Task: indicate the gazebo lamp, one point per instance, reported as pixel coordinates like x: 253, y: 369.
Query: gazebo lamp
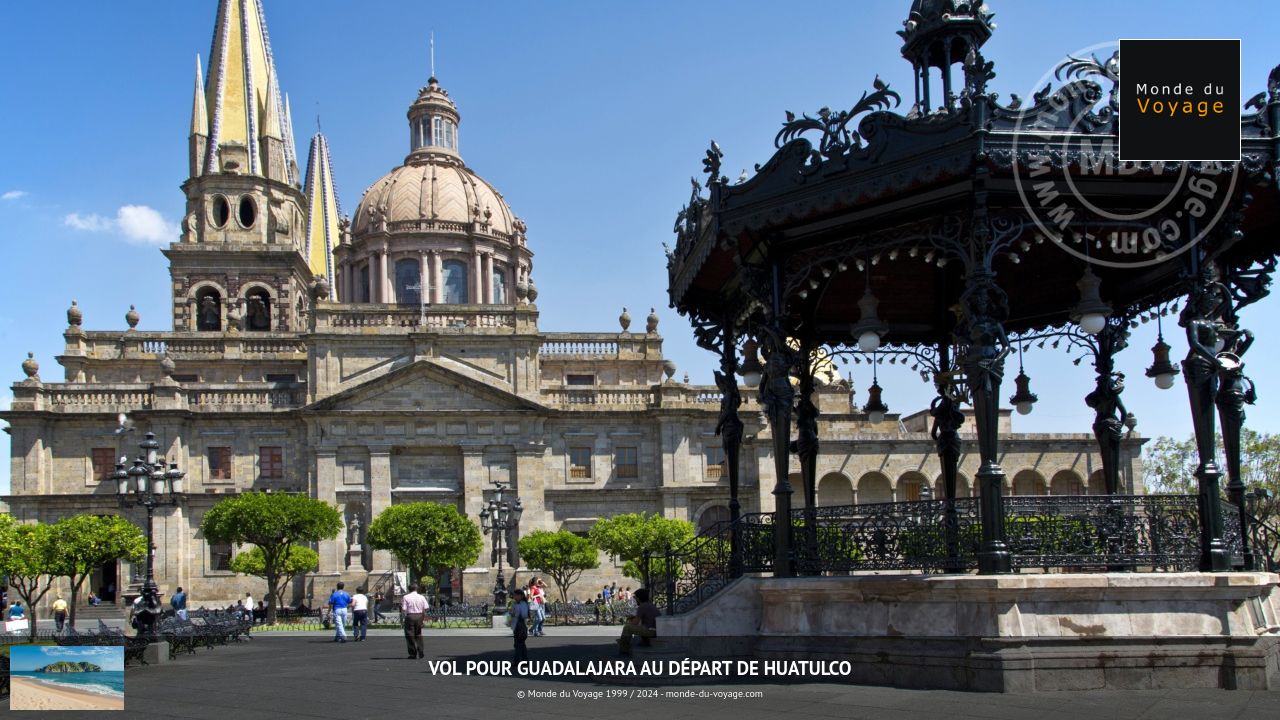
x: 1092, y: 311
x: 1161, y: 370
x: 869, y: 328
x: 751, y: 369
x: 1023, y: 399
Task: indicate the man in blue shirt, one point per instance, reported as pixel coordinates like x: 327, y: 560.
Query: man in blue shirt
x: 339, y: 601
x: 179, y: 603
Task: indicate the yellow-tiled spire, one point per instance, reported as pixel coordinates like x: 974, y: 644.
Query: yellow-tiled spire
x: 322, y: 211
x: 242, y: 97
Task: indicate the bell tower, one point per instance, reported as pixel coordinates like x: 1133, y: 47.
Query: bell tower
x: 241, y: 262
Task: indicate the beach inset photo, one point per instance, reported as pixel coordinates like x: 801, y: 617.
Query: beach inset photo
x: 49, y: 677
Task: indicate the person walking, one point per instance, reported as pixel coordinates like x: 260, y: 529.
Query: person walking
x: 359, y: 615
x: 537, y: 605
x: 413, y: 608
x: 179, y: 603
x: 518, y: 616
x: 376, y: 607
x: 339, y: 601
x: 59, y: 613
x: 246, y: 607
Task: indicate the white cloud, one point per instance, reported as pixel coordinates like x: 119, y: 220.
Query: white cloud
x: 142, y: 224
x: 138, y: 224
x: 91, y: 223
x: 13, y: 195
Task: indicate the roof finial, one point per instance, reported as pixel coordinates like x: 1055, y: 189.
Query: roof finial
x: 433, y: 55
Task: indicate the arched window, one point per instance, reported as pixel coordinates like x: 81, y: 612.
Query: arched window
x: 257, y: 316
x: 362, y: 281
x: 208, y: 310
x: 437, y: 130
x: 408, y: 282
x: 712, y: 516
x: 499, y: 285
x: 454, y: 278
x: 450, y: 139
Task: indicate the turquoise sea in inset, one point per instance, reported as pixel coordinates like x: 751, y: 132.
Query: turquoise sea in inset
x: 103, y: 683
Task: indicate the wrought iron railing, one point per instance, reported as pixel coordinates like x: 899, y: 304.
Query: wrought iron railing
x: 1078, y: 533
x: 1264, y: 543
x: 918, y: 535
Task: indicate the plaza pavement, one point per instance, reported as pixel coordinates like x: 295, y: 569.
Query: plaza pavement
x: 306, y: 675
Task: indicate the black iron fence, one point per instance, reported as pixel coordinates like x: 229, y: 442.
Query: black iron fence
x: 1143, y: 533
x: 575, y: 613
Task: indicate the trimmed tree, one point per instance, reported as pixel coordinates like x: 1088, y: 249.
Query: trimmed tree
x: 84, y: 542
x: 562, y: 555
x: 28, y: 555
x: 631, y: 536
x: 426, y: 537
x: 276, y: 523
x: 298, y: 560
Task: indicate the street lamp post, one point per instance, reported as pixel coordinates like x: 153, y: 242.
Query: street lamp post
x: 499, y: 518
x: 148, y: 484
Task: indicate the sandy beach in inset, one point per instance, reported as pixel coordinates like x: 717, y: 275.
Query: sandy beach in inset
x: 28, y: 694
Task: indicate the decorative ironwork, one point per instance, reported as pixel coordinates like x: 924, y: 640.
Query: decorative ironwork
x: 890, y: 536
x: 1147, y: 532
x: 837, y: 138
x: 690, y: 574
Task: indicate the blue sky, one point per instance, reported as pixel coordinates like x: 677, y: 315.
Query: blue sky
x: 588, y: 117
x: 25, y: 658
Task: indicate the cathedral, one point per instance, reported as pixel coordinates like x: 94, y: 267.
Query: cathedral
x: 394, y: 356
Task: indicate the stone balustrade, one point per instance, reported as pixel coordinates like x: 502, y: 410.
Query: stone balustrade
x: 581, y: 348
x: 701, y: 397
x: 106, y: 345
x: 125, y: 398
x: 375, y: 317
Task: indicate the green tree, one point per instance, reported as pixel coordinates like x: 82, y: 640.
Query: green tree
x: 298, y: 560
x: 631, y: 536
x: 84, y: 542
x: 1170, y: 465
x: 276, y: 523
x: 28, y: 557
x: 562, y: 555
x: 426, y: 537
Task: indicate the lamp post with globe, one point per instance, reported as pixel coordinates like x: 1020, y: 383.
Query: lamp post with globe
x: 149, y: 484
x: 499, y: 518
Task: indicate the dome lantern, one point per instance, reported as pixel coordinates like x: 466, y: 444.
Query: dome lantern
x: 433, y: 122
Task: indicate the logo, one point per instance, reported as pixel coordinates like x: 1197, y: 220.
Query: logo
x: 1083, y: 197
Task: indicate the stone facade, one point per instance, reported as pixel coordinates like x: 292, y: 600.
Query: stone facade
x: 402, y: 361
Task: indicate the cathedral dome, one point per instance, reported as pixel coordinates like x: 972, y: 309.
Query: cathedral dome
x: 434, y: 193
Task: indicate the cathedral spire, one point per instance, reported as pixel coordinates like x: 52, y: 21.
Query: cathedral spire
x: 322, y: 211
x: 242, y: 96
x: 199, y: 138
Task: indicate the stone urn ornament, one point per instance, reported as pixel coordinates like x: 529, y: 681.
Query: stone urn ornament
x: 167, y: 366
x: 30, y: 367
x: 522, y: 291
x: 321, y: 290
x: 533, y: 292
x: 132, y: 317
x: 624, y: 320
x: 74, y: 315
x: 669, y: 367
x: 651, y: 324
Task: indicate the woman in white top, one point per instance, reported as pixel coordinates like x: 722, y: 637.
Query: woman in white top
x: 360, y: 615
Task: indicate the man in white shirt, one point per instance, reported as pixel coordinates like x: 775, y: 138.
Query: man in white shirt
x: 246, y: 606
x: 359, y: 615
x: 413, y: 608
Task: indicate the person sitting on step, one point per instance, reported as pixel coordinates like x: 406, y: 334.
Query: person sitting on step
x: 644, y: 623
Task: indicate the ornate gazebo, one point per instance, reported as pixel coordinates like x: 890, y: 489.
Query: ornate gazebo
x: 952, y: 237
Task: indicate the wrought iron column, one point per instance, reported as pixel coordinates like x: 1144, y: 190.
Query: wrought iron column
x: 729, y: 428
x: 947, y: 419
x: 777, y: 396
x: 1109, y: 412
x: 806, y: 449
x: 985, y: 305
x: 1200, y: 369
x: 1234, y: 391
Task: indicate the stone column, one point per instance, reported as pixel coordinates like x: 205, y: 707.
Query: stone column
x: 477, y: 581
x: 384, y: 285
x: 379, y: 497
x: 477, y: 292
x: 437, y: 272
x: 424, y: 278
x: 333, y: 550
x: 487, y: 277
